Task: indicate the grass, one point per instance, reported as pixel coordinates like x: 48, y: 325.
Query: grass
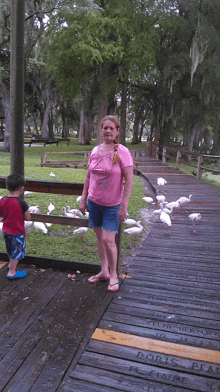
x: 56, y: 243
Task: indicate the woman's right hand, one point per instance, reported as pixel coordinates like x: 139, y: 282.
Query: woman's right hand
x: 83, y: 206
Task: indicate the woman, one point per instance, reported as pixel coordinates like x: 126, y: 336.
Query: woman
x: 110, y: 165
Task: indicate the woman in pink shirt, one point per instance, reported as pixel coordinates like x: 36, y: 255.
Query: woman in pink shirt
x: 108, y: 186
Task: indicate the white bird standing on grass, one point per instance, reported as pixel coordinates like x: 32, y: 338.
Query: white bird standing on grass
x: 78, y: 199
x: 34, y: 209
x: 51, y: 208
x: 40, y: 226
x: 52, y: 174
x: 26, y: 193
x: 135, y: 230
x: 130, y: 222
x: 81, y: 230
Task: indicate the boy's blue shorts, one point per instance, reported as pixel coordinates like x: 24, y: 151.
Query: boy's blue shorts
x: 103, y: 216
x: 15, y: 245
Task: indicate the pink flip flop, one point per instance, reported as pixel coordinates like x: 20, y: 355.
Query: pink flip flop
x: 113, y: 287
x: 96, y: 279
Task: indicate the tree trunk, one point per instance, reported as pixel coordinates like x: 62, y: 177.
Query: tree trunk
x: 102, y: 112
x: 6, y: 105
x: 44, y: 129
x: 81, y: 125
x: 122, y: 133
x: 87, y: 136
x: 136, y: 127
x: 141, y: 132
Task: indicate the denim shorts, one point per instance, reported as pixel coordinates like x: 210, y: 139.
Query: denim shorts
x: 15, y: 245
x: 103, y: 216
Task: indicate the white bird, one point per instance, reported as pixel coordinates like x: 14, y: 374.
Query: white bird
x: 1, y: 225
x: 40, y: 226
x: 51, y: 207
x: 52, y: 174
x: 78, y: 199
x: 165, y: 219
x: 161, y: 181
x: 48, y: 224
x: 68, y: 214
x: 184, y: 200
x: 149, y: 200
x: 172, y: 205
x: 71, y: 211
x: 161, y: 198
x: 27, y: 224
x: 130, y: 222
x: 135, y: 230
x: 34, y: 209
x: 194, y: 217
x: 27, y: 193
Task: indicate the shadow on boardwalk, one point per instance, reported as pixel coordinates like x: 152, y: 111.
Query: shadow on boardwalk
x: 159, y: 333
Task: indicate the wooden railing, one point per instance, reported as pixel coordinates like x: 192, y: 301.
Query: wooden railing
x: 66, y: 163
x: 177, y: 155
x: 62, y: 188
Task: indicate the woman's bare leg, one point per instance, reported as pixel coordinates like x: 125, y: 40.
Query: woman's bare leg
x: 102, y: 253
x: 111, y: 252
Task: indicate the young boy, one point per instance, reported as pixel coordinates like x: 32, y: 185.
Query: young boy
x: 14, y: 211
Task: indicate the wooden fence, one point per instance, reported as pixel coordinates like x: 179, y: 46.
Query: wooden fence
x: 177, y: 155
x: 61, y: 188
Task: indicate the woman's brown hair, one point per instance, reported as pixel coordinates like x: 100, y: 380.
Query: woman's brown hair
x: 115, y: 156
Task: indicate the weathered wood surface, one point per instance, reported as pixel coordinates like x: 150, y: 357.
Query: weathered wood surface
x: 172, y: 295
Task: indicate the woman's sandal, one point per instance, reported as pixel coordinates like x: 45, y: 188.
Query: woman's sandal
x: 113, y: 287
x: 96, y: 279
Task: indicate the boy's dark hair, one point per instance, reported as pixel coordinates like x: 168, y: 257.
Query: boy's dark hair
x: 15, y: 182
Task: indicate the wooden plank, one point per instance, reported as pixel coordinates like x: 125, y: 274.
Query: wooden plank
x: 147, y: 372
x: 153, y: 358
x: 3, y: 263
x: 179, y: 350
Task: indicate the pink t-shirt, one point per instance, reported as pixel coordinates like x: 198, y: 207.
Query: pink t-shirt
x: 106, y: 180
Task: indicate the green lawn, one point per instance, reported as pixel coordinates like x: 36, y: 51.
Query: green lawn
x: 56, y: 243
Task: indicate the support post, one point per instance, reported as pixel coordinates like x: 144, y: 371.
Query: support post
x: 164, y: 155
x: 178, y: 156
x: 199, y: 169
x: 17, y: 87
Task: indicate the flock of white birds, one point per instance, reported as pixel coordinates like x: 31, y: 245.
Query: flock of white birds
x: 164, y: 210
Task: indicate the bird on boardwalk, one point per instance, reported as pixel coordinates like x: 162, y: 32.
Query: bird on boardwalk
x: 160, y: 198
x: 40, y: 226
x: 194, y: 217
x: 184, y: 200
x: 52, y: 174
x: 161, y: 181
x: 34, y: 209
x: 135, y: 230
x: 148, y: 199
x: 164, y: 217
x: 51, y: 207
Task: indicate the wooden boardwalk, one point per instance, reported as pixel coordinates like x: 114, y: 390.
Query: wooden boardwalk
x: 159, y: 333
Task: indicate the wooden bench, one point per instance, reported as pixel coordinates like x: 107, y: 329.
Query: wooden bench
x: 41, y: 141
x: 66, y: 163
x: 64, y: 139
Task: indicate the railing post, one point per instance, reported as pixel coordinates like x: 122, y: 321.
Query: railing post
x: 199, y: 169
x: 164, y: 155
x: 178, y: 156
x: 118, y: 239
